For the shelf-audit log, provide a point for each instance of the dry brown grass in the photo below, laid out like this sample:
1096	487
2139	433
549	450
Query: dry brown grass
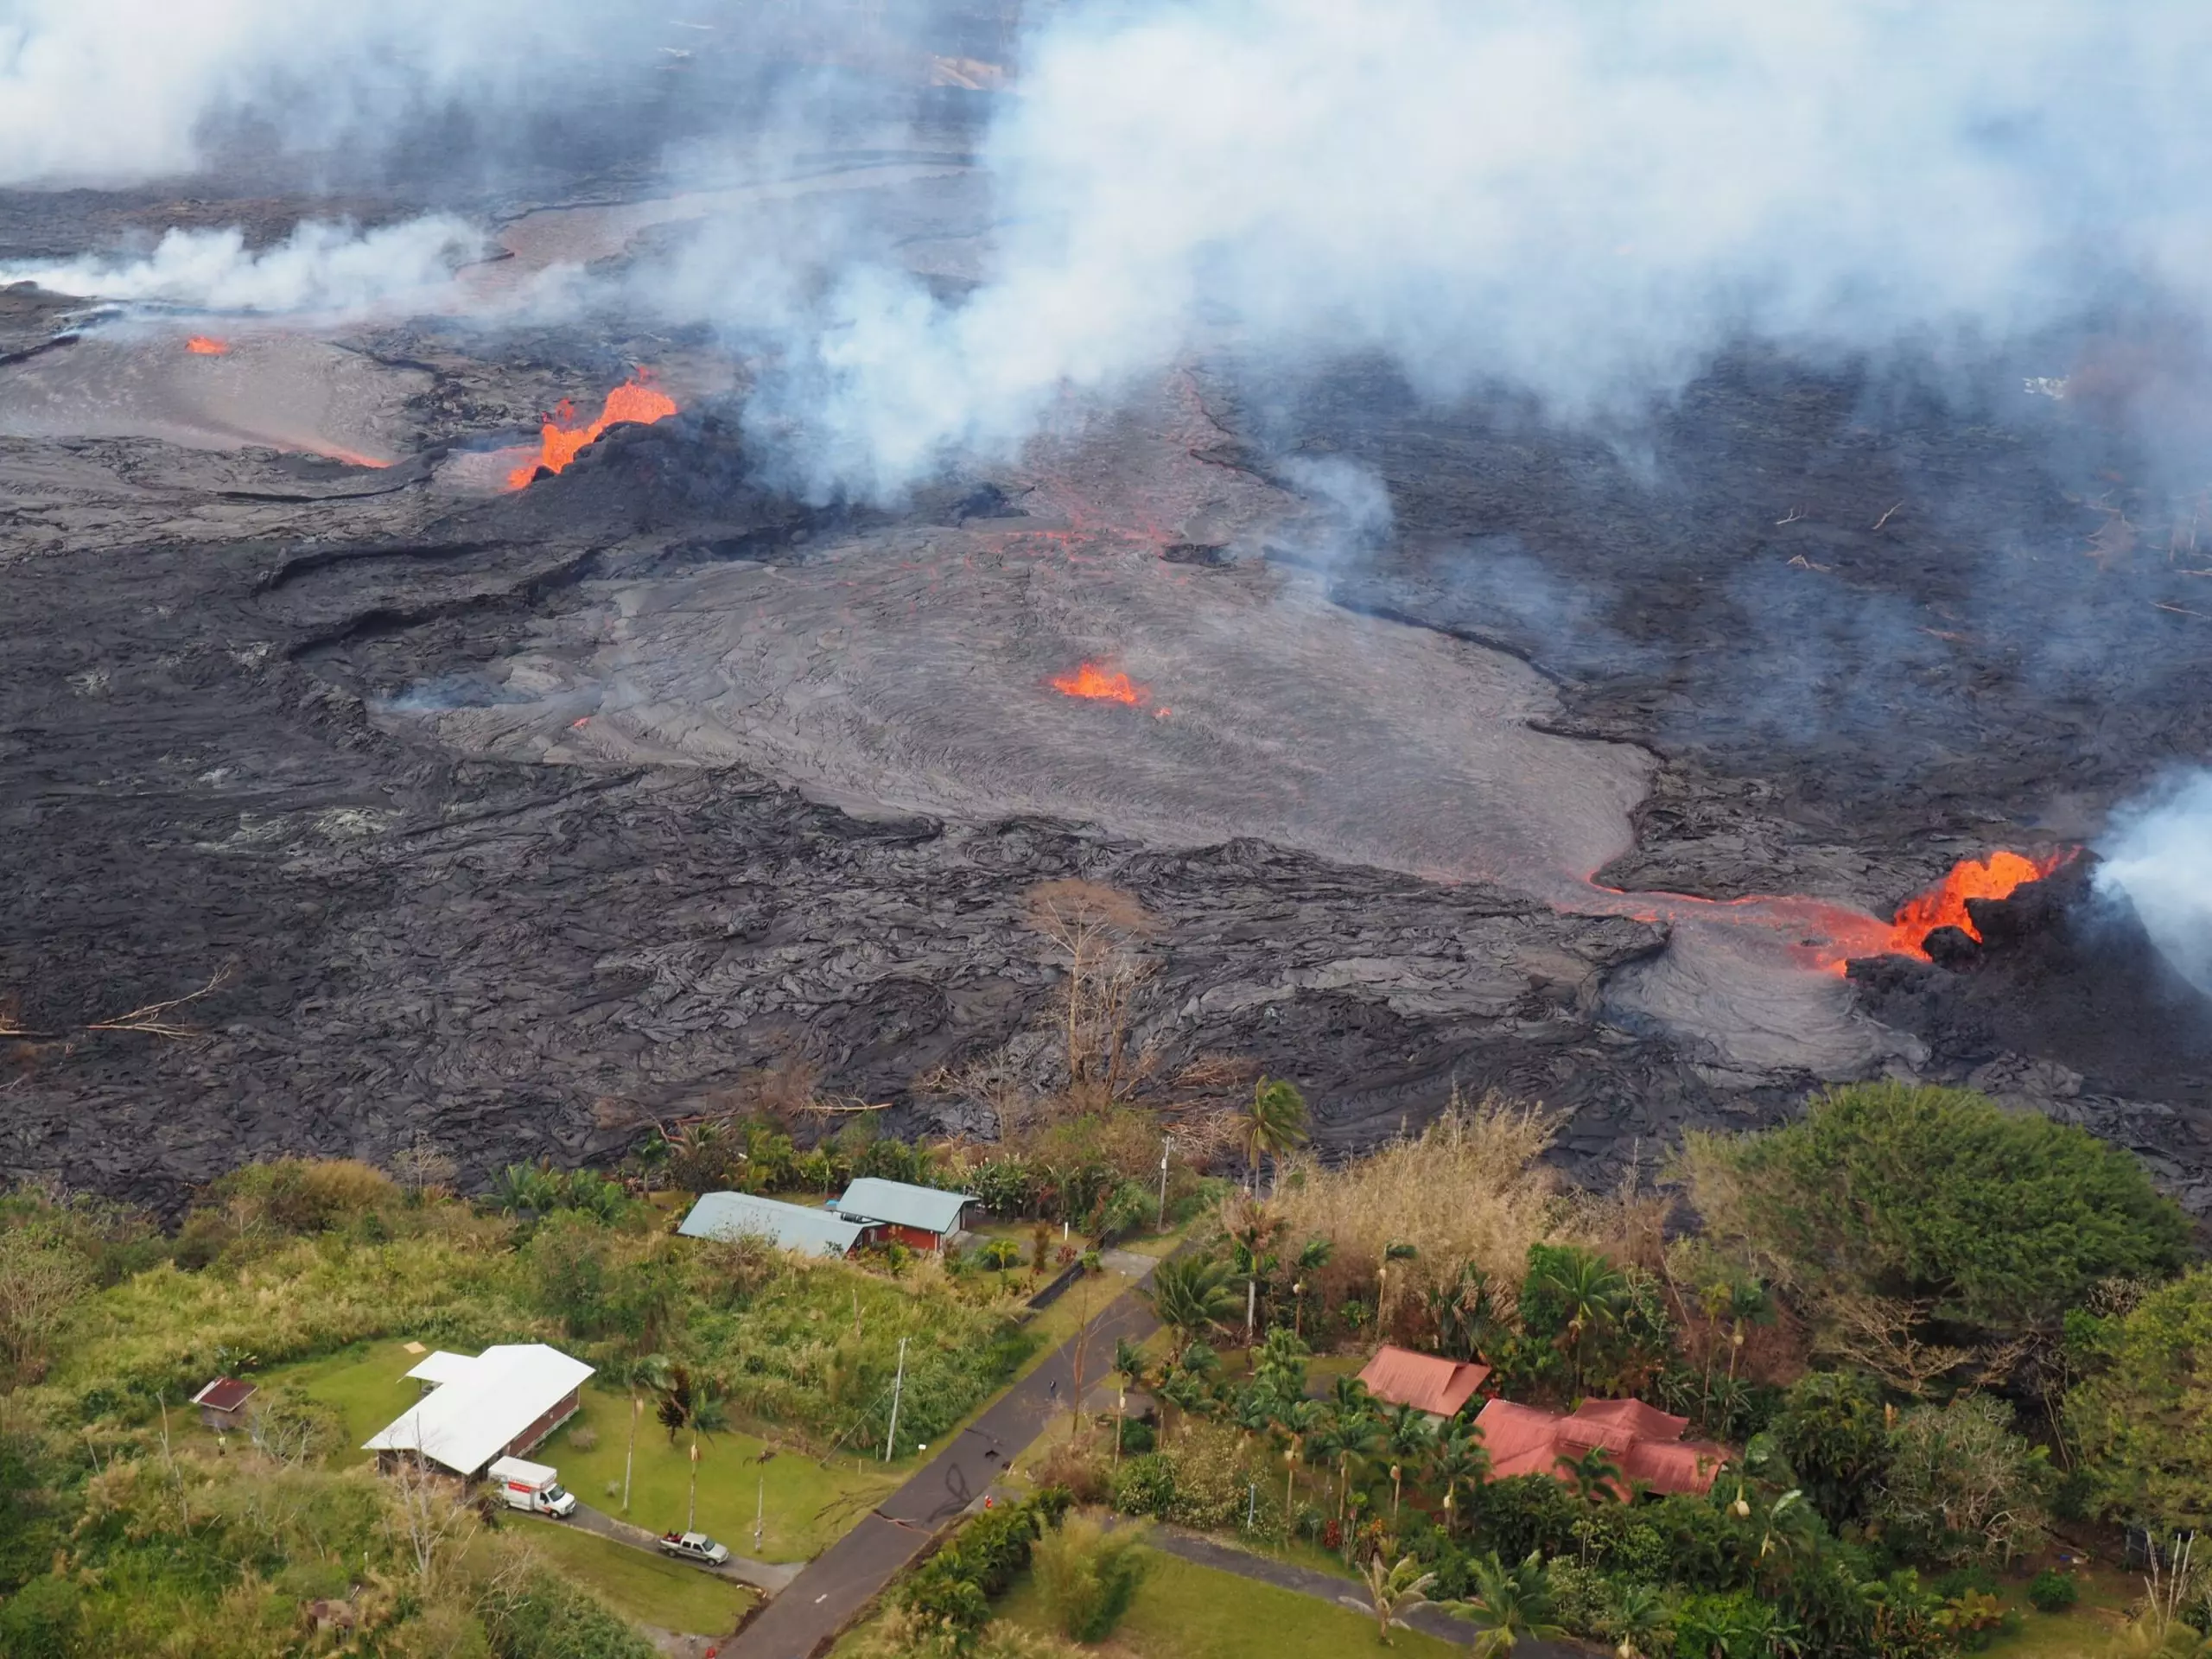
1469	1188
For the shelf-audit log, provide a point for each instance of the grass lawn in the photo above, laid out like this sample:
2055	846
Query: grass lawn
638	1586
366	1385
2092	1627
1187	1612
807	1508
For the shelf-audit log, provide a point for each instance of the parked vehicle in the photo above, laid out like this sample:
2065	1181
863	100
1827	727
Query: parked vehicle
693	1547
532	1486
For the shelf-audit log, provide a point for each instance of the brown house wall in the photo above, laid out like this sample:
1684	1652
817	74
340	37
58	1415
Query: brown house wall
915	1238
521	1444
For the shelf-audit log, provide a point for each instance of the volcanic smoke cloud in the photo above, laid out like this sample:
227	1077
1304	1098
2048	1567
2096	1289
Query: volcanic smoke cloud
320	267
1586	201
2159	853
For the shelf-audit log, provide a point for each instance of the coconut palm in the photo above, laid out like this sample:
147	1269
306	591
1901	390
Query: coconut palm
1295	1421
1457	1459
694	1403
1510	1605
1392	1593
1252	1227
1191	1295
1273	1123
1590	1291
1407	1433
1344	1439
1312	1255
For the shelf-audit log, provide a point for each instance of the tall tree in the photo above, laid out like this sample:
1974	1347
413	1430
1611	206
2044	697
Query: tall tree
1191	1295
1586	1292
1459	1459
1509	1605
1275	1124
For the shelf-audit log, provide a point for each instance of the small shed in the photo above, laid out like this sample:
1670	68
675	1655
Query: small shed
920	1217
222	1402
789	1226
1398	1377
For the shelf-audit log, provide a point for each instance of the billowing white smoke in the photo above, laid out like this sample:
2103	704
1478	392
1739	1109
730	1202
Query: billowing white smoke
2158	852
320	267
1586	199
105	90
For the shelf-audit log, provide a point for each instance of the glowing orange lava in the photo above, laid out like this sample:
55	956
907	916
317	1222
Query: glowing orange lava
637	399
1944	905
1111	685
204	346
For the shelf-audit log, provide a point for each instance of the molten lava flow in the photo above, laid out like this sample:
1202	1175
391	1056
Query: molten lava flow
1944	905
638	400
1092	681
203	346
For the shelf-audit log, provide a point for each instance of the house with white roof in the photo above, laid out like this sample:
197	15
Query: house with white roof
499	1404
789	1226
921	1217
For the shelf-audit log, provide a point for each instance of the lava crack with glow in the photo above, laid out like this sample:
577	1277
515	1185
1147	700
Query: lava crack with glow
560	441
206	345
1100	684
1944	905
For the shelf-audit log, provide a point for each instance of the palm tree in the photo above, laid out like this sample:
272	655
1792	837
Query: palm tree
1295	1421
647	1375
1252	1226
1392	1593
1312	1255
1344	1439
1190	1295
1275	1124
1457	1459
1409	1438
1594	1475
1642	1621
1510	1605
693	1403
1590	1290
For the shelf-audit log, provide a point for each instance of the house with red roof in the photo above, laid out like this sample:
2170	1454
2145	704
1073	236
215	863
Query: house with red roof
1645	1443
1398	1377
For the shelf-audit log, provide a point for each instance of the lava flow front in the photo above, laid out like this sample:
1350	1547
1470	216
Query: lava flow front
1944	905
1108	685
637	399
206	345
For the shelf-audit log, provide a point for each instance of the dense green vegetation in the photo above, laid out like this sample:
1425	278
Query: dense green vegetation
125	1524
1888	1315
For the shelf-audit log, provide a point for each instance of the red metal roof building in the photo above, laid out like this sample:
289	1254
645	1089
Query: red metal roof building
1645	1442
1398	1377
222	1402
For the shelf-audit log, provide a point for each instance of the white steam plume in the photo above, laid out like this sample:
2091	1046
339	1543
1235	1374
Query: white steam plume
107	91
1587	200
320	267
2158	852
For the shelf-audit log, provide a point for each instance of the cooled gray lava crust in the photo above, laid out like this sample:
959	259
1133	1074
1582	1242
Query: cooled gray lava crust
207	762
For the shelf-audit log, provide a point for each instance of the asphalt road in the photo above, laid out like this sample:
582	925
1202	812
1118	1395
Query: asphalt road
841	1581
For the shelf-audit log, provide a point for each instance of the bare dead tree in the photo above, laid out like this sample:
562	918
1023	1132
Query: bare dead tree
426	1514
154	1019
1094	930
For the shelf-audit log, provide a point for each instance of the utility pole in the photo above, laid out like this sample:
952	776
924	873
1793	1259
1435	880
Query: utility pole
1166	1147
897	1383
760	1513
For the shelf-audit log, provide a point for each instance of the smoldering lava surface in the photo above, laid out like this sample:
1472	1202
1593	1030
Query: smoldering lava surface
272	390
910	669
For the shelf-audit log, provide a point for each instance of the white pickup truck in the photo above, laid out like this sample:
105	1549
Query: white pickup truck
693	1547
532	1486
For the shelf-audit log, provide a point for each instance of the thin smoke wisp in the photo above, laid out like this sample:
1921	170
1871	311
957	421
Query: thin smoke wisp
2158	853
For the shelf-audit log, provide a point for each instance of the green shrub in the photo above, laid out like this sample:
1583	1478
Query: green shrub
1831	1432
2050	1592
1088	1576
1145	1485
40	1620
1137	1437
2003	1220
546	1617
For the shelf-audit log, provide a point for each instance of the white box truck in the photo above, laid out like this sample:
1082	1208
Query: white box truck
532	1486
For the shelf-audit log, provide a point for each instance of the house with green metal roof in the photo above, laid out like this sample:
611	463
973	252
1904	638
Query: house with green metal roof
922	1216
790	1226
